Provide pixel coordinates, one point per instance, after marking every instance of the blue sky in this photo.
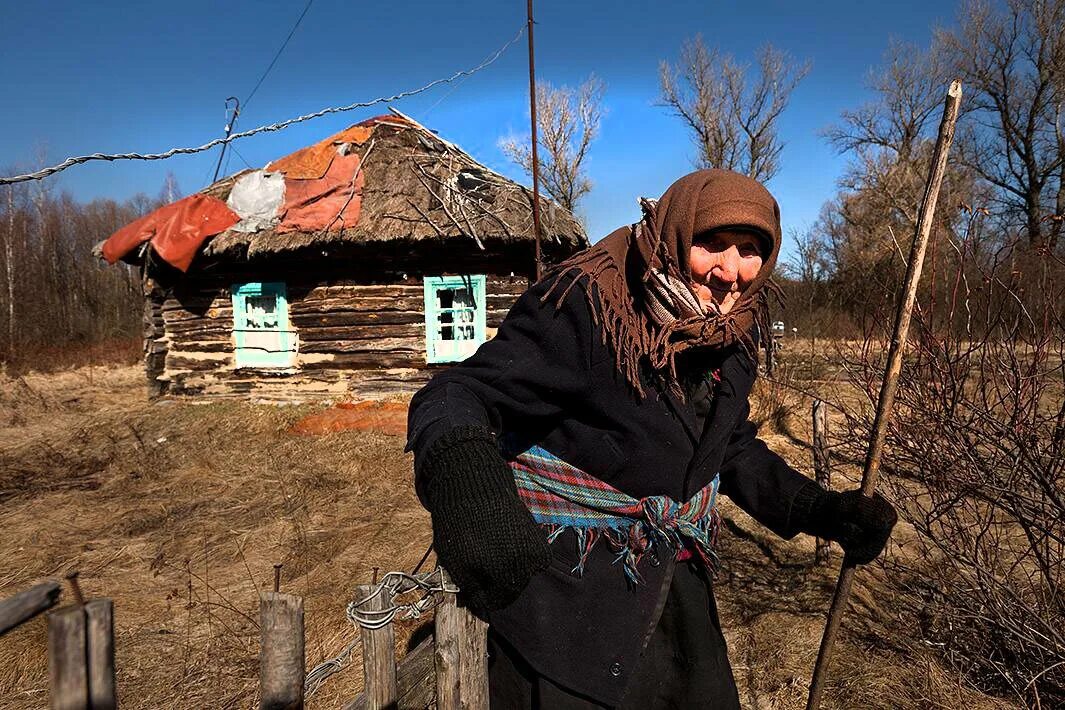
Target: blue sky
(83, 77)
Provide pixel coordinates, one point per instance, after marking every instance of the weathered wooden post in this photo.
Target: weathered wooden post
(27, 604)
(379, 653)
(461, 657)
(100, 653)
(822, 464)
(281, 652)
(68, 677)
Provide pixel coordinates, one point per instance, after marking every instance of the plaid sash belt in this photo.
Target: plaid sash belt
(561, 496)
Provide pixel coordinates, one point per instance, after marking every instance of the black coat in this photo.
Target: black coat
(548, 377)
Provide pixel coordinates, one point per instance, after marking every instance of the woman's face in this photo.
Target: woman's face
(723, 265)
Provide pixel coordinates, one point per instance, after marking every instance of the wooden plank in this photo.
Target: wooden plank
(379, 654)
(461, 657)
(333, 291)
(68, 679)
(27, 604)
(359, 332)
(396, 302)
(415, 678)
(473, 650)
(281, 652)
(202, 328)
(448, 654)
(100, 641)
(355, 317)
(201, 346)
(365, 345)
(367, 361)
(215, 361)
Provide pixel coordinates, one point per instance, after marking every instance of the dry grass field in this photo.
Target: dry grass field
(178, 511)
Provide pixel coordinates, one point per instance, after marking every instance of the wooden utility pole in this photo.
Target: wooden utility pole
(535, 158)
(891, 376)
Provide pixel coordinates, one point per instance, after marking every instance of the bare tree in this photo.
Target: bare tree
(889, 140)
(170, 192)
(567, 121)
(908, 95)
(732, 121)
(1012, 62)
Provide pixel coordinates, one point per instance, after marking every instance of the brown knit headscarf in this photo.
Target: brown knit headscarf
(625, 271)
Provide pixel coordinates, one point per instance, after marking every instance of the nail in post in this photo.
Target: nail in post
(72, 577)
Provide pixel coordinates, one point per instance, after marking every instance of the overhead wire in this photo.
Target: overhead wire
(70, 162)
(277, 55)
(231, 123)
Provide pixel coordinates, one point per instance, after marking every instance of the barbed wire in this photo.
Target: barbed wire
(397, 583)
(71, 162)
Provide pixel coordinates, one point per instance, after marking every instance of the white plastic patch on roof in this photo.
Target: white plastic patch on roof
(256, 198)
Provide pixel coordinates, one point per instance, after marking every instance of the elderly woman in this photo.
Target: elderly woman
(572, 464)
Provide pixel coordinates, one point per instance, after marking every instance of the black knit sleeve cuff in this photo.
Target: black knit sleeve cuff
(466, 460)
(807, 509)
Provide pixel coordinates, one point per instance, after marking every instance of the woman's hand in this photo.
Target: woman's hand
(861, 525)
(483, 534)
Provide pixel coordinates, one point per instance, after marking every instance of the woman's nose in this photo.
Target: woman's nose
(728, 265)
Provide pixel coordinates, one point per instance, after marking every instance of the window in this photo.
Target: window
(264, 337)
(454, 317)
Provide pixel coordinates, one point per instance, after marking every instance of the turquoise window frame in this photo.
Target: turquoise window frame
(462, 319)
(250, 350)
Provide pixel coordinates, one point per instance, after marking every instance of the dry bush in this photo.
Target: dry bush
(977, 449)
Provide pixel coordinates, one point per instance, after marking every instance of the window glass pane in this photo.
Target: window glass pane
(463, 298)
(261, 311)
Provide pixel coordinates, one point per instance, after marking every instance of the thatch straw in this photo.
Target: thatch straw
(419, 186)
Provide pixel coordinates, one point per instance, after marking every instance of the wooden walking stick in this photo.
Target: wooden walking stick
(891, 376)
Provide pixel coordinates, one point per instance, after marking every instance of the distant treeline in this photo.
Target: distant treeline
(60, 305)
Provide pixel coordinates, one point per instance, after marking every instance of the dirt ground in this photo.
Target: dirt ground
(178, 512)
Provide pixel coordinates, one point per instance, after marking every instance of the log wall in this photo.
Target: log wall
(364, 339)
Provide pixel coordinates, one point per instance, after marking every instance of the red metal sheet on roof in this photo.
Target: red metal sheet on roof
(328, 204)
(312, 162)
(176, 231)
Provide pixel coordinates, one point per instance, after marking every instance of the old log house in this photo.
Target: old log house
(351, 267)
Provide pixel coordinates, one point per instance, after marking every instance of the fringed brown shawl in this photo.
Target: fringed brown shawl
(626, 272)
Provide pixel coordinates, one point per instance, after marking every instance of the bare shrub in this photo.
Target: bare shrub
(977, 449)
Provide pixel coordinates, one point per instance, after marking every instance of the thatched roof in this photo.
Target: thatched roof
(418, 186)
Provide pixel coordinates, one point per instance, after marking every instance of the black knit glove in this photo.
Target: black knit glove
(859, 524)
(483, 534)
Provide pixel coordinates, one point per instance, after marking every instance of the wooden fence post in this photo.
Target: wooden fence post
(281, 652)
(100, 654)
(822, 464)
(68, 677)
(379, 654)
(27, 604)
(461, 657)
